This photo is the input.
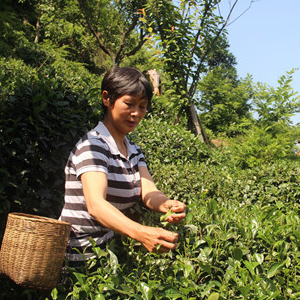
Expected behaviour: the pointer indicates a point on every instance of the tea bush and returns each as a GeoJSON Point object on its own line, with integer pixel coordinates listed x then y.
{"type": "Point", "coordinates": [165, 144]}
{"type": "Point", "coordinates": [40, 121]}
{"type": "Point", "coordinates": [261, 145]}
{"type": "Point", "coordinates": [240, 240]}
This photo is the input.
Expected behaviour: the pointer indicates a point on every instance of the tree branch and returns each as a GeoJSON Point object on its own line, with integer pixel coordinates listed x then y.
{"type": "Point", "coordinates": [93, 31]}
{"type": "Point", "coordinates": [207, 7]}
{"type": "Point", "coordinates": [124, 36]}
{"type": "Point", "coordinates": [197, 74]}
{"type": "Point", "coordinates": [138, 47]}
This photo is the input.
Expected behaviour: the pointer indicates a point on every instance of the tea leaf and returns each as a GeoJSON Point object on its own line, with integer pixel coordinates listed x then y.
{"type": "Point", "coordinates": [237, 254]}
{"type": "Point", "coordinates": [273, 269]}
{"type": "Point", "coordinates": [54, 294]}
{"type": "Point", "coordinates": [213, 296]}
{"type": "Point", "coordinates": [173, 294]}
{"type": "Point", "coordinates": [259, 258]}
{"type": "Point", "coordinates": [163, 217]}
{"type": "Point", "coordinates": [80, 277]}
{"type": "Point", "coordinates": [251, 266]}
{"type": "Point", "coordinates": [113, 261]}
{"type": "Point", "coordinates": [146, 291]}
{"type": "Point", "coordinates": [168, 213]}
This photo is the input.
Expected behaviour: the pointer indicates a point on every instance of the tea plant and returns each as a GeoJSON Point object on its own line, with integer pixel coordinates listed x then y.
{"type": "Point", "coordinates": [240, 240]}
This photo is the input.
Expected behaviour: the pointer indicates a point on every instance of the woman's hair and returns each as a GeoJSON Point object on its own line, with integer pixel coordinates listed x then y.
{"type": "Point", "coordinates": [125, 81]}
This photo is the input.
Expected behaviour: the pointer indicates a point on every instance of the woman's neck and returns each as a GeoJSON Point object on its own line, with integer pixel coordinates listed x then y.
{"type": "Point", "coordinates": [118, 138]}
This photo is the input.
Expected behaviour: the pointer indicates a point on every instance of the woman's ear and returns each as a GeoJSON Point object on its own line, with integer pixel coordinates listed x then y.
{"type": "Point", "coordinates": [105, 98]}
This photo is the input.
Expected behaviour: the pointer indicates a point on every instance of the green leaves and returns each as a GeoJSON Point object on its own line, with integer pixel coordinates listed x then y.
{"type": "Point", "coordinates": [146, 291]}
{"type": "Point", "coordinates": [275, 267]}
{"type": "Point", "coordinates": [224, 101]}
{"type": "Point", "coordinates": [39, 118]}
{"type": "Point", "coordinates": [213, 296]}
{"type": "Point", "coordinates": [236, 241]}
{"type": "Point", "coordinates": [275, 105]}
{"type": "Point", "coordinates": [264, 144]}
{"type": "Point", "coordinates": [163, 218]}
{"type": "Point", "coordinates": [241, 236]}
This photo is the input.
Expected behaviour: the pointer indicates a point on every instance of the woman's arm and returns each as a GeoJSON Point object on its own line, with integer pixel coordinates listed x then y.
{"type": "Point", "coordinates": [94, 189]}
{"type": "Point", "coordinates": [158, 201]}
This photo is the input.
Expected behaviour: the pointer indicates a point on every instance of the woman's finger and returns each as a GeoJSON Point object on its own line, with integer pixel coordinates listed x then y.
{"type": "Point", "coordinates": [176, 218]}
{"type": "Point", "coordinates": [178, 207]}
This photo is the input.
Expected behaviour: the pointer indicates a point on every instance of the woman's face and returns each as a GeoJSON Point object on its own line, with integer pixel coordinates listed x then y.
{"type": "Point", "coordinates": [126, 112]}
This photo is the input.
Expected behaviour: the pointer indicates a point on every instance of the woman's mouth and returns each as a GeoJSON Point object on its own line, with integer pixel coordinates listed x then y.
{"type": "Point", "coordinates": [132, 123]}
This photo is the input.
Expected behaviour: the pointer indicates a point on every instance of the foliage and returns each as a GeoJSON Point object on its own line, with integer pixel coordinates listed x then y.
{"type": "Point", "coordinates": [89, 32]}
{"type": "Point", "coordinates": [259, 145]}
{"type": "Point", "coordinates": [224, 102]}
{"type": "Point", "coordinates": [115, 25]}
{"type": "Point", "coordinates": [276, 104]}
{"type": "Point", "coordinates": [184, 31]}
{"type": "Point", "coordinates": [39, 119]}
{"type": "Point", "coordinates": [241, 236]}
{"type": "Point", "coordinates": [65, 30]}
{"type": "Point", "coordinates": [189, 35]}
{"type": "Point", "coordinates": [163, 143]}
{"type": "Point", "coordinates": [145, 59]}
{"type": "Point", "coordinates": [239, 241]}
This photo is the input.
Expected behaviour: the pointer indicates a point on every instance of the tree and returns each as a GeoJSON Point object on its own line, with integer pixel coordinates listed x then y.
{"type": "Point", "coordinates": [274, 105]}
{"type": "Point", "coordinates": [186, 34]}
{"type": "Point", "coordinates": [189, 36]}
{"type": "Point", "coordinates": [115, 26]}
{"type": "Point", "coordinates": [98, 33]}
{"type": "Point", "coordinates": [225, 101]}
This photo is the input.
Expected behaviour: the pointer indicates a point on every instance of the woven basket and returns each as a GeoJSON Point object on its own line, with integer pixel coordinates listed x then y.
{"type": "Point", "coordinates": [33, 250]}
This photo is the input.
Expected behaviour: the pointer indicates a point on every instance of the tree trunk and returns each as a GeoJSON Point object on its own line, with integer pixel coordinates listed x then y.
{"type": "Point", "coordinates": [195, 123]}
{"type": "Point", "coordinates": [195, 120]}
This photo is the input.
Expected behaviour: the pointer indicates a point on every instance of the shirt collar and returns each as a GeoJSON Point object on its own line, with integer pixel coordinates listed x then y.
{"type": "Point", "coordinates": [105, 134]}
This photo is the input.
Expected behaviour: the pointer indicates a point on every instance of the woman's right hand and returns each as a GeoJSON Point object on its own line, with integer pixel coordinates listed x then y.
{"type": "Point", "coordinates": [156, 239]}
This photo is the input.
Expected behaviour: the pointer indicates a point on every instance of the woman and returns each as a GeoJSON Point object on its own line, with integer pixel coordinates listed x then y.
{"type": "Point", "coordinates": [106, 174]}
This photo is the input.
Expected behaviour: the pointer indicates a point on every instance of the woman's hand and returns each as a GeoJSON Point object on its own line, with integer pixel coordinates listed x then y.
{"type": "Point", "coordinates": [156, 239]}
{"type": "Point", "coordinates": [158, 201]}
{"type": "Point", "coordinates": [179, 211]}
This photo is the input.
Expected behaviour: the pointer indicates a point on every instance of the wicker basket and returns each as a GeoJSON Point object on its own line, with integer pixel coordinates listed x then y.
{"type": "Point", "coordinates": [33, 250]}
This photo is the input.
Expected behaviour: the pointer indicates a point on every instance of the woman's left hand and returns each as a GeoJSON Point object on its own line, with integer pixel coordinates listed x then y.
{"type": "Point", "coordinates": [179, 211]}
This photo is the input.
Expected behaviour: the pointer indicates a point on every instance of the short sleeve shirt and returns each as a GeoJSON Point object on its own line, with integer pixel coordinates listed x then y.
{"type": "Point", "coordinates": [97, 151]}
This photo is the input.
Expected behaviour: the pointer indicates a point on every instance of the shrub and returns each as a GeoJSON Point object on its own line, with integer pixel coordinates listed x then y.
{"type": "Point", "coordinates": [40, 122]}
{"type": "Point", "coordinates": [263, 145]}
{"type": "Point", "coordinates": [239, 240]}
{"type": "Point", "coordinates": [165, 144]}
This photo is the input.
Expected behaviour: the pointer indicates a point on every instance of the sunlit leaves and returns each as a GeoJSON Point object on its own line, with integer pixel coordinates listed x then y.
{"type": "Point", "coordinates": [224, 101]}
{"type": "Point", "coordinates": [240, 238]}
{"type": "Point", "coordinates": [274, 105]}
{"type": "Point", "coordinates": [186, 32]}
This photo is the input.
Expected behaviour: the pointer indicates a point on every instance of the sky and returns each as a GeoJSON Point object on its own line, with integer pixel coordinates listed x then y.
{"type": "Point", "coordinates": [264, 36]}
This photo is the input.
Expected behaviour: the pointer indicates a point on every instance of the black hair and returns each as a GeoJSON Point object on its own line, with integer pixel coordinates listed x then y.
{"type": "Point", "coordinates": [119, 81]}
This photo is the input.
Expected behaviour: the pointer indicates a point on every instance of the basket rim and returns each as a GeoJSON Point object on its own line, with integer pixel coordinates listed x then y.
{"type": "Point", "coordinates": [36, 218]}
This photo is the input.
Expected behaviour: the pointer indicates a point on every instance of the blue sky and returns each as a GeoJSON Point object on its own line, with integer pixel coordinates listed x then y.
{"type": "Point", "coordinates": [266, 39]}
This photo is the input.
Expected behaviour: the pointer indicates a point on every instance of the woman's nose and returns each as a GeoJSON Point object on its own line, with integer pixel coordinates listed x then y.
{"type": "Point", "coordinates": [135, 110]}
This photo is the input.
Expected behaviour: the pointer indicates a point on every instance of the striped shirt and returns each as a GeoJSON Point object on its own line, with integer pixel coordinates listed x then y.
{"type": "Point", "coordinates": [97, 151]}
